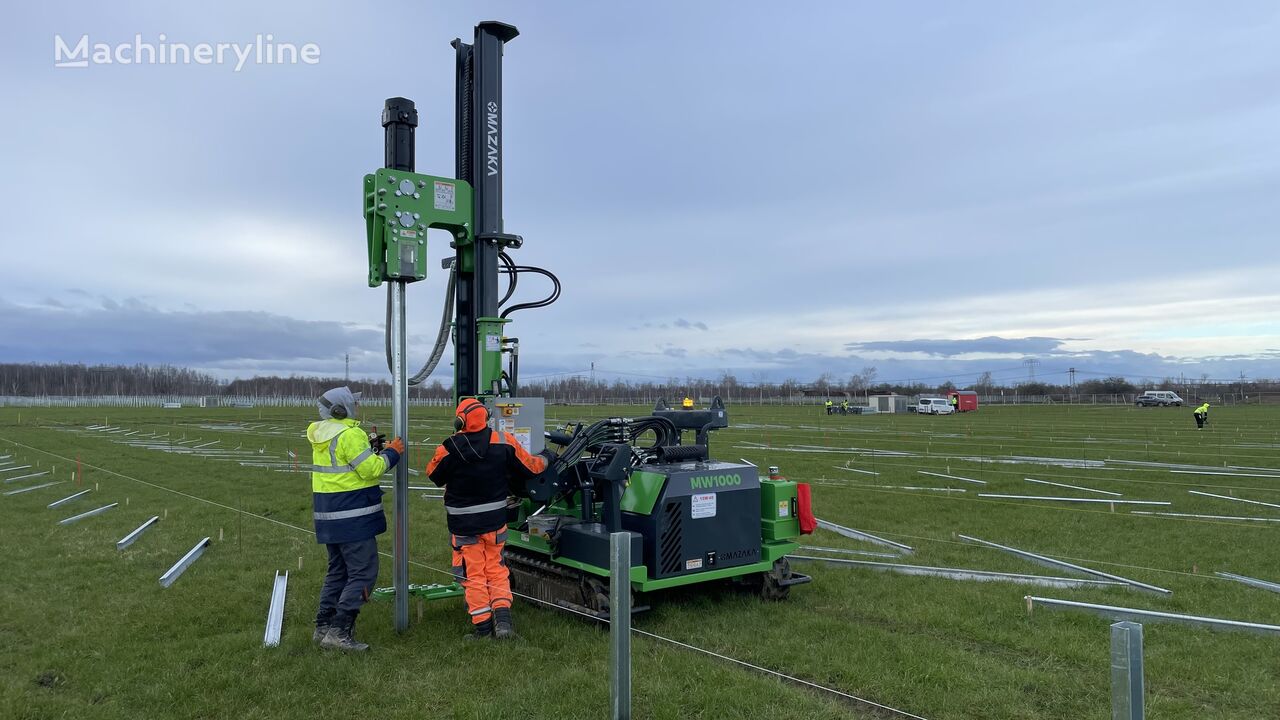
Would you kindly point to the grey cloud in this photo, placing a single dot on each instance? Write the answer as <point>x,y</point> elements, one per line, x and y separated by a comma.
<point>130,331</point>
<point>951,348</point>
<point>782,363</point>
<point>688,325</point>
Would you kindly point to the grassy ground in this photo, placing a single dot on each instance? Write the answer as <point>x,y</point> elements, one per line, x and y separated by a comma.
<point>87,632</point>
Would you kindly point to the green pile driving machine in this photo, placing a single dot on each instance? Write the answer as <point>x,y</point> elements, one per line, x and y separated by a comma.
<point>692,520</point>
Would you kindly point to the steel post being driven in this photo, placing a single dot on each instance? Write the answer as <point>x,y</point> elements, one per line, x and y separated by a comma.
<point>400,428</point>
<point>399,120</point>
<point>620,624</point>
<point>1126,671</point>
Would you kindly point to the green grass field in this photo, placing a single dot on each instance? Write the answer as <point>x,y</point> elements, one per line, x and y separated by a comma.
<point>87,632</point>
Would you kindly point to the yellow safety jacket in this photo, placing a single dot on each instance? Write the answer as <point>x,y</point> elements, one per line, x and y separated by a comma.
<point>1202,410</point>
<point>346,498</point>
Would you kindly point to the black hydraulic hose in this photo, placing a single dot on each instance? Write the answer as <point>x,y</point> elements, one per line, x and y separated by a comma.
<point>442,336</point>
<point>512,276</point>
<point>555,293</point>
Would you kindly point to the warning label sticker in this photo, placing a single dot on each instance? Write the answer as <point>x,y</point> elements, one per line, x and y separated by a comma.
<point>445,193</point>
<point>523,435</point>
<point>693,564</point>
<point>491,343</point>
<point>784,509</point>
<point>704,506</point>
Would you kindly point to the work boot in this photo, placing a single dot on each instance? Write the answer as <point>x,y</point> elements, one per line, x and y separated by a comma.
<point>502,627</point>
<point>323,620</point>
<point>480,631</point>
<point>339,636</point>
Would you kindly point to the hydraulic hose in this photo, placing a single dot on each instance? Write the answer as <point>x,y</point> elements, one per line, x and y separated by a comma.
<point>512,277</point>
<point>555,292</point>
<point>446,321</point>
<point>442,336</point>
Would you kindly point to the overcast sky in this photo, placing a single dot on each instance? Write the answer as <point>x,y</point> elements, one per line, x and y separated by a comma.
<point>773,190</point>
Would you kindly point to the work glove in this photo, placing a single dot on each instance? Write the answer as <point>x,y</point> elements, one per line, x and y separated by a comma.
<point>392,452</point>
<point>377,441</point>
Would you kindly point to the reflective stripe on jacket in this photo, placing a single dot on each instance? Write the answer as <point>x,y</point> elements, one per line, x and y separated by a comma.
<point>346,499</point>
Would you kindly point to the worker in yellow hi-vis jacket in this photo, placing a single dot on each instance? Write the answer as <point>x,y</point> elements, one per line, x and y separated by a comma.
<point>1202,416</point>
<point>347,505</point>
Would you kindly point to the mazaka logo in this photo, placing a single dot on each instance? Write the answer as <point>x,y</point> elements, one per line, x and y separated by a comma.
<point>492,124</point>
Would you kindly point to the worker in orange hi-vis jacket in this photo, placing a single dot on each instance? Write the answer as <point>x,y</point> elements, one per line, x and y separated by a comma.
<point>476,467</point>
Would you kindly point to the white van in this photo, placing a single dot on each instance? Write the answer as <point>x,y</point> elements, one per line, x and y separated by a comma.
<point>934,406</point>
<point>1161,398</point>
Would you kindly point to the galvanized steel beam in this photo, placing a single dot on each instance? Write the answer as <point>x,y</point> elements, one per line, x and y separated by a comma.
<point>1233,499</point>
<point>83,515</point>
<point>181,566</point>
<point>1254,582</point>
<point>19,491</point>
<point>864,536</point>
<point>275,611</point>
<point>129,539</point>
<point>1073,487</point>
<point>952,477</point>
<point>1071,499</point>
<point>1123,613</point>
<point>1062,564</point>
<point>25,477</point>
<point>964,574</point>
<point>1203,517</point>
<point>69,498</point>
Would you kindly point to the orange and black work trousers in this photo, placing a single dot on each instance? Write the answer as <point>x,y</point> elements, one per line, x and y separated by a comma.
<point>478,565</point>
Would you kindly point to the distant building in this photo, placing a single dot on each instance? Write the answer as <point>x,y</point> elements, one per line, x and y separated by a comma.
<point>889,402</point>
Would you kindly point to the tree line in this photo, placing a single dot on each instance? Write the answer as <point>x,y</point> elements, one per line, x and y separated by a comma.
<point>79,380</point>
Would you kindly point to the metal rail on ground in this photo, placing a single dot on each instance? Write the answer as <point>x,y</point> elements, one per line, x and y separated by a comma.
<point>963,573</point>
<point>185,562</point>
<point>89,514</point>
<point>1123,613</point>
<point>275,611</point>
<point>1061,564</point>
<point>132,537</point>
<point>864,536</point>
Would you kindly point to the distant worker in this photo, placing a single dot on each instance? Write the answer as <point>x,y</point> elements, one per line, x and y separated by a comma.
<point>687,403</point>
<point>1202,416</point>
<point>844,407</point>
<point>347,503</point>
<point>830,407</point>
<point>955,403</point>
<point>476,467</point>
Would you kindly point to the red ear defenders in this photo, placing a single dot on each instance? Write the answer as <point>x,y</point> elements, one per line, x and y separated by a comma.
<point>460,420</point>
